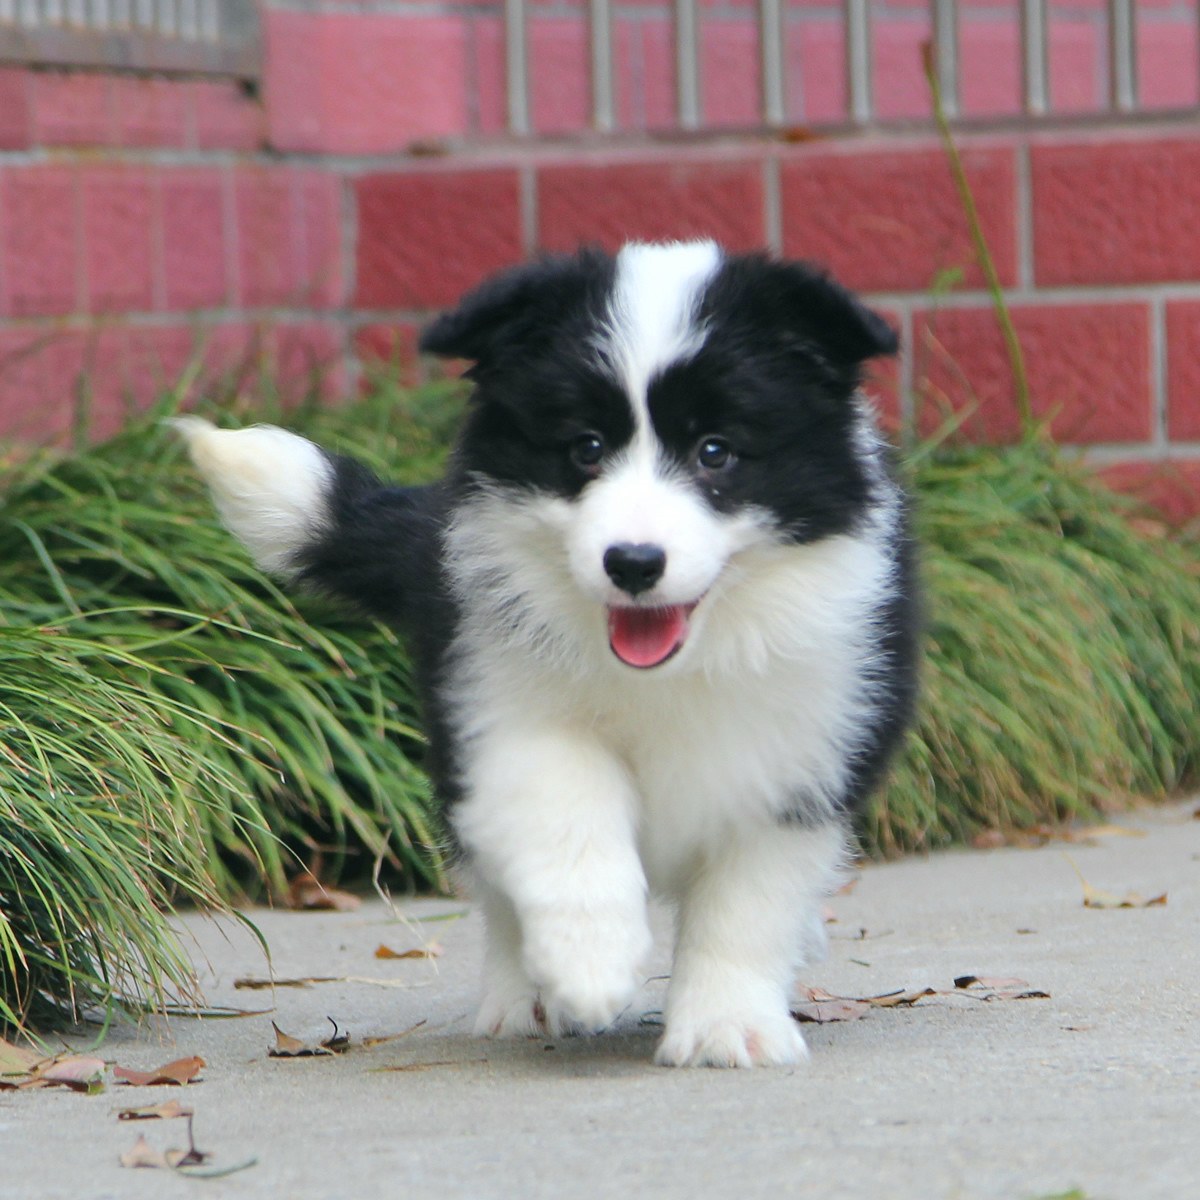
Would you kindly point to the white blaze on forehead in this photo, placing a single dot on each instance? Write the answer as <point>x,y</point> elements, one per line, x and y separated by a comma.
<point>652,318</point>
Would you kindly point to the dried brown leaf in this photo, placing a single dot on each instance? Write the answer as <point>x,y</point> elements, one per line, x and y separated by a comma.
<point>300,982</point>
<point>391,1037</point>
<point>900,999</point>
<point>307,893</point>
<point>81,1073</point>
<point>175,1074</point>
<point>1094,897</point>
<point>287,1046</point>
<point>142,1154</point>
<point>989,982</point>
<point>432,950</point>
<point>836,1008</point>
<point>17,1064</point>
<point>167,1111</point>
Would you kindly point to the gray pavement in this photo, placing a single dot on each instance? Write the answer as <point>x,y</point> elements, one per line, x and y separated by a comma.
<point>1096,1088</point>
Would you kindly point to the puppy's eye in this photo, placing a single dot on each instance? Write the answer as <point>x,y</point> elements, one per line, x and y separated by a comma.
<point>714,453</point>
<point>587,450</point>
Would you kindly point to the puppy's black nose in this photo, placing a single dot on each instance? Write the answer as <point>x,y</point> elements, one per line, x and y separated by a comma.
<point>635,568</point>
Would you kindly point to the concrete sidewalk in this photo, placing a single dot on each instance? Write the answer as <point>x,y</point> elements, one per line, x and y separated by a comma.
<point>1096,1088</point>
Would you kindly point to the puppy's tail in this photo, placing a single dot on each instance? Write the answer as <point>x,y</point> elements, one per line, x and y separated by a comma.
<point>318,519</point>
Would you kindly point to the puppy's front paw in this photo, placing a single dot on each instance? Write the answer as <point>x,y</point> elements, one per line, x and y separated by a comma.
<point>510,1013</point>
<point>586,967</point>
<point>759,1039</point>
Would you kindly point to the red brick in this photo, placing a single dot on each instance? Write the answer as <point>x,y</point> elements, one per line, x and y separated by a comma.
<point>892,220</point>
<point>363,83</point>
<point>307,361</point>
<point>194,241</point>
<point>76,379</point>
<point>990,67</point>
<point>41,241</point>
<point>817,73</point>
<point>389,351</point>
<point>1183,370</point>
<point>151,112</point>
<point>424,238</point>
<point>267,258</point>
<point>225,117</point>
<point>16,126</point>
<point>560,94</point>
<point>612,203</point>
<point>657,84</point>
<point>1172,486</point>
<point>1117,212</point>
<point>158,357</point>
<point>900,86</point>
<point>1168,71</point>
<point>1076,55</point>
<point>118,232</point>
<point>317,197</point>
<point>485,74</point>
<point>729,68</point>
<point>1087,364</point>
<point>71,108</point>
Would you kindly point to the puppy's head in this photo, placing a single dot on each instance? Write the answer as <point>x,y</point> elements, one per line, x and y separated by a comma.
<point>647,421</point>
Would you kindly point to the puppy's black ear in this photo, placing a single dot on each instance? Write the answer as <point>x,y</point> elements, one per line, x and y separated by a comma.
<point>802,300</point>
<point>514,311</point>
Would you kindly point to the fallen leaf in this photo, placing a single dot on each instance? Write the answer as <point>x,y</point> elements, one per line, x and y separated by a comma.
<point>78,1072</point>
<point>142,1154</point>
<point>900,999</point>
<point>166,1111</point>
<point>305,981</point>
<point>307,892</point>
<point>820,1007</point>
<point>17,1064</point>
<point>178,1073</point>
<point>287,1046</point>
<point>439,1062</point>
<point>989,982</point>
<point>989,839</point>
<point>391,1037</point>
<point>432,950</point>
<point>982,987</point>
<point>1094,897</point>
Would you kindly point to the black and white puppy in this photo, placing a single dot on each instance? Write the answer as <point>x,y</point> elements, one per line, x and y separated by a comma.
<point>662,608</point>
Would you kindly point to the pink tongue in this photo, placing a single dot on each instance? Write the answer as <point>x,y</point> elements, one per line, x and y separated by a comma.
<point>644,637</point>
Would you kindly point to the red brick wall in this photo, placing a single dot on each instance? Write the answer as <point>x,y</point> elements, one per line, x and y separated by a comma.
<point>368,184</point>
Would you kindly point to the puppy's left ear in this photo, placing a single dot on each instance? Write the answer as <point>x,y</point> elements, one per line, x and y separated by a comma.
<point>511,312</point>
<point>804,301</point>
<point>849,330</point>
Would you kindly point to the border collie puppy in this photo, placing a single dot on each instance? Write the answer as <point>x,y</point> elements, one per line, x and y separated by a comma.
<point>662,610</point>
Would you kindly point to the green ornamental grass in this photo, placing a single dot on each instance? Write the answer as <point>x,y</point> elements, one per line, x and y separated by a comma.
<point>176,728</point>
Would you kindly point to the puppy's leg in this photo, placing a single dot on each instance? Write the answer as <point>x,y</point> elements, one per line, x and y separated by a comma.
<point>271,488</point>
<point>743,922</point>
<point>510,1006</point>
<point>548,823</point>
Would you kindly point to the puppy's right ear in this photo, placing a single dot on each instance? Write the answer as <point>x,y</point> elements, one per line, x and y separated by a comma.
<point>513,312</point>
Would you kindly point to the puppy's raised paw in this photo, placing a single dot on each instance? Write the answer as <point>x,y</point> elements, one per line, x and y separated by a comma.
<point>762,1040</point>
<point>587,968</point>
<point>510,1014</point>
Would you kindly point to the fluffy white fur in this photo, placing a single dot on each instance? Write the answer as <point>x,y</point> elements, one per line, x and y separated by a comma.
<point>589,785</point>
<point>269,486</point>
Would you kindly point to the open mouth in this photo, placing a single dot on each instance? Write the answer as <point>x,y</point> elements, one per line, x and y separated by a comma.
<point>647,637</point>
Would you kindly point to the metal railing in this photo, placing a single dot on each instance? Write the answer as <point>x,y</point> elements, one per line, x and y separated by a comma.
<point>206,37</point>
<point>857,21</point>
